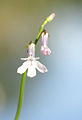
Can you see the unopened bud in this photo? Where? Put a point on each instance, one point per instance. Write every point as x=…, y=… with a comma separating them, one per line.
x=51, y=17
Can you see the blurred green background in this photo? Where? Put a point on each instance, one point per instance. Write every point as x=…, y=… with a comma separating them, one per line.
x=56, y=95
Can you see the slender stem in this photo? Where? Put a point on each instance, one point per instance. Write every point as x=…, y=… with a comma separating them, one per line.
x=38, y=36
x=48, y=19
x=23, y=83
x=21, y=96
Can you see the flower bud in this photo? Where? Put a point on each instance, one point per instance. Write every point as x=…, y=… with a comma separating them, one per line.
x=51, y=17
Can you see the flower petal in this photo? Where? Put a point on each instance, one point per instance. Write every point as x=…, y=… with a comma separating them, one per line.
x=31, y=50
x=23, y=67
x=45, y=50
x=40, y=67
x=24, y=58
x=44, y=39
x=31, y=71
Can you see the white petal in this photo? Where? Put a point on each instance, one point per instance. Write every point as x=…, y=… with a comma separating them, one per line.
x=40, y=67
x=31, y=71
x=36, y=58
x=23, y=67
x=24, y=58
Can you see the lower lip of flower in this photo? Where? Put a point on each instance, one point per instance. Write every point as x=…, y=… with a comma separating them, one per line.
x=46, y=51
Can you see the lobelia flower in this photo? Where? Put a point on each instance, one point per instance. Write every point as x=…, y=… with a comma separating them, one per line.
x=44, y=48
x=31, y=63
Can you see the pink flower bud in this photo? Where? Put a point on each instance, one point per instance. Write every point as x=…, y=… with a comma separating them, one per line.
x=51, y=17
x=44, y=48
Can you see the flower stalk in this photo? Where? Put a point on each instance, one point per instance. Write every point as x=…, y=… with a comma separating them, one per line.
x=48, y=19
x=21, y=96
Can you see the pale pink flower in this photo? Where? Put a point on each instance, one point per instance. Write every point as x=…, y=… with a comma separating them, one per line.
x=44, y=48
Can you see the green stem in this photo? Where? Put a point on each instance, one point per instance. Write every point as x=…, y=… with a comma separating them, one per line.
x=21, y=96
x=38, y=36
x=48, y=19
x=23, y=83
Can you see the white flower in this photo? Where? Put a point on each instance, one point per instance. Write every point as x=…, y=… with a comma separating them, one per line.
x=31, y=63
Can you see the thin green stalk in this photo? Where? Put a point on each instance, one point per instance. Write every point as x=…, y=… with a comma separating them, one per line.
x=21, y=96
x=23, y=83
x=48, y=19
x=38, y=36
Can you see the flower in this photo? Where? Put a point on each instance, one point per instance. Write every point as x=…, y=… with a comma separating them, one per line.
x=31, y=63
x=44, y=48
